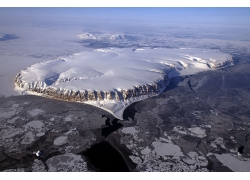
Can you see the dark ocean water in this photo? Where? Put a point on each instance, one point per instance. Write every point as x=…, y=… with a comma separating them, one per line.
x=104, y=158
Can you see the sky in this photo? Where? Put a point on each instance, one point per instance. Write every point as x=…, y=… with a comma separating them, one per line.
x=143, y=14
x=36, y=25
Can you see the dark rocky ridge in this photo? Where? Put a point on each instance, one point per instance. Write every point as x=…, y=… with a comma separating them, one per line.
x=87, y=95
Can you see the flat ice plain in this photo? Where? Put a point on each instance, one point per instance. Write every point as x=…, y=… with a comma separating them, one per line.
x=113, y=78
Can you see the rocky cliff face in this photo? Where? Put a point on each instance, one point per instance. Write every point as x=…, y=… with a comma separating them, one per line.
x=82, y=95
x=223, y=64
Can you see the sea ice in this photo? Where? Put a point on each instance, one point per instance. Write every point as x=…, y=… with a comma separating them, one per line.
x=13, y=120
x=164, y=149
x=198, y=131
x=233, y=163
x=9, y=133
x=7, y=112
x=129, y=130
x=60, y=140
x=40, y=134
x=38, y=125
x=68, y=118
x=145, y=151
x=28, y=138
x=67, y=162
x=35, y=112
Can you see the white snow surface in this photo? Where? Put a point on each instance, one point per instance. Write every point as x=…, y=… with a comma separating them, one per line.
x=118, y=68
x=115, y=69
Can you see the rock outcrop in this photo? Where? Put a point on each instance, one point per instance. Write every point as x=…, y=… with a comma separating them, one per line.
x=223, y=64
x=83, y=95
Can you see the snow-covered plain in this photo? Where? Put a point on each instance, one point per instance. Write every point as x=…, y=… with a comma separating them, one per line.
x=9, y=66
x=113, y=78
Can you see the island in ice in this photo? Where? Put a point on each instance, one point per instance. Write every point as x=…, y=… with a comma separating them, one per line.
x=113, y=78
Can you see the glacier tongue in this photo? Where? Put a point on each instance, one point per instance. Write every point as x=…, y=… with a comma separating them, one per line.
x=114, y=78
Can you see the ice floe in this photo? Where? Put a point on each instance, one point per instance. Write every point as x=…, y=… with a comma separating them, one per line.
x=60, y=140
x=164, y=149
x=198, y=132
x=233, y=163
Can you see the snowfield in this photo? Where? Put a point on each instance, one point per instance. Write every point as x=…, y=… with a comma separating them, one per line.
x=113, y=78
x=90, y=36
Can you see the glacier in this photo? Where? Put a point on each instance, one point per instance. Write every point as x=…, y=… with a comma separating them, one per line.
x=114, y=78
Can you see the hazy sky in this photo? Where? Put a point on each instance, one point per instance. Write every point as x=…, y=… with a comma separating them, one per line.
x=155, y=15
